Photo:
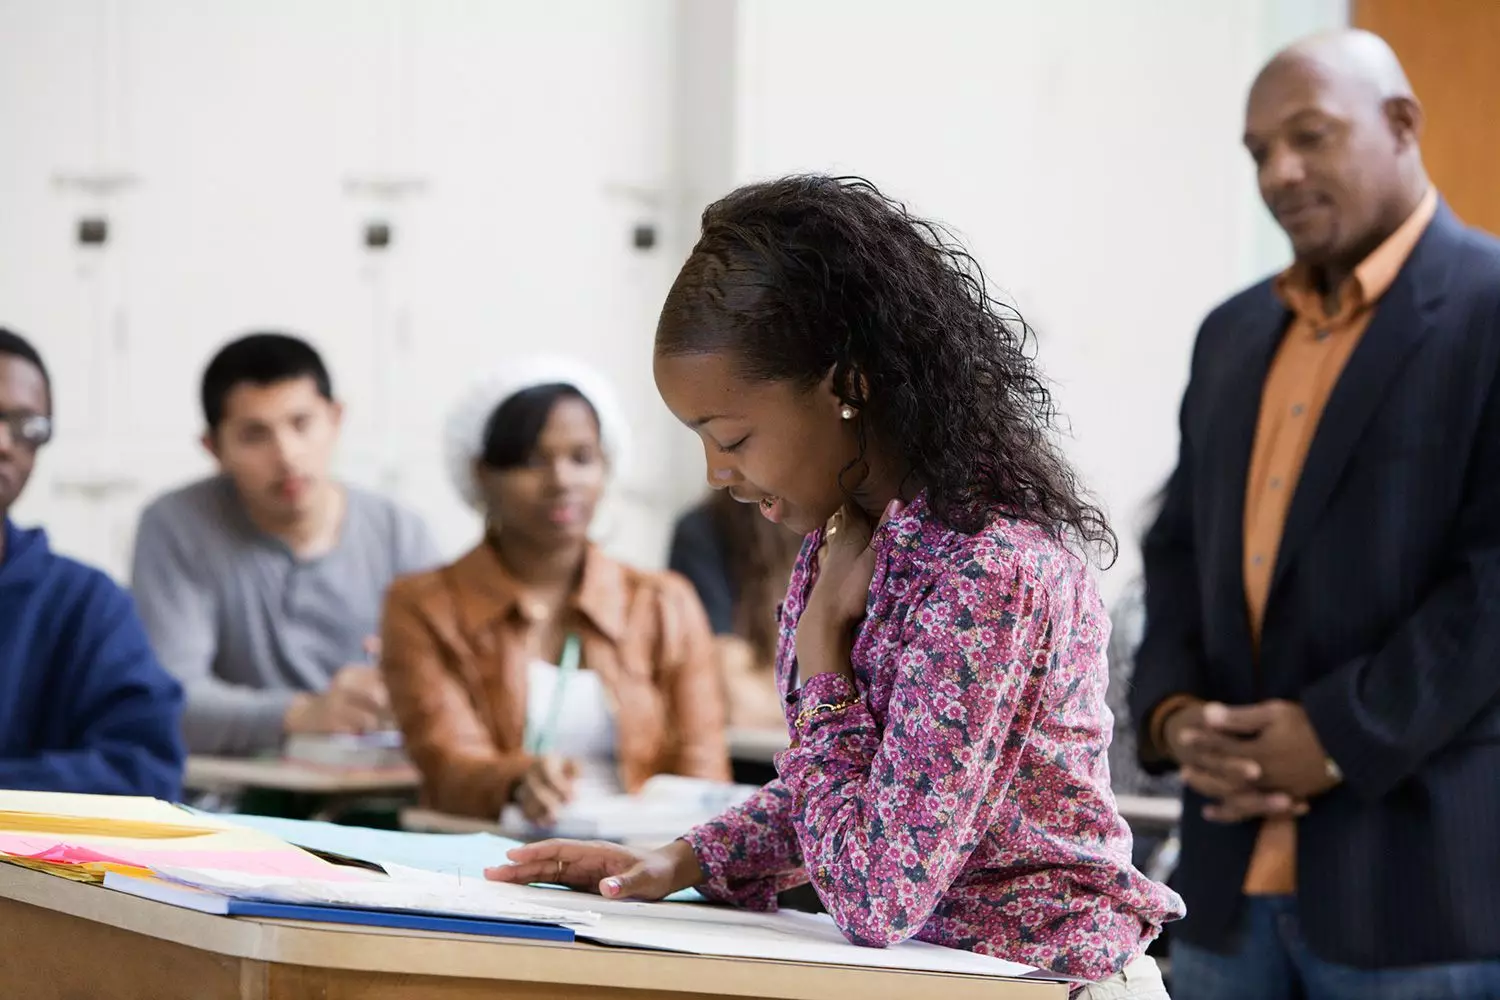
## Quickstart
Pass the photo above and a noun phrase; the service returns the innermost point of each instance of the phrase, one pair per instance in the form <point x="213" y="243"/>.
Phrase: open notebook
<point x="691" y="928"/>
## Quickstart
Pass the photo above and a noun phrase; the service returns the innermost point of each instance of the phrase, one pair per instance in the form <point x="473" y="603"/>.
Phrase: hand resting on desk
<point x="611" y="870"/>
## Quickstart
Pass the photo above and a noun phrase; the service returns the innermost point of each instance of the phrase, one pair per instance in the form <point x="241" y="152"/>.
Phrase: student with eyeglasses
<point x="84" y="704"/>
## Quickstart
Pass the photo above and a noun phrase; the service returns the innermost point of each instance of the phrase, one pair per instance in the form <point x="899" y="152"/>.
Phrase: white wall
<point x="1087" y="150"/>
<point x="523" y="141"/>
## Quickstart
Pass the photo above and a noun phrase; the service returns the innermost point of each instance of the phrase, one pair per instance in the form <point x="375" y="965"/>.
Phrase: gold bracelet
<point x="823" y="708"/>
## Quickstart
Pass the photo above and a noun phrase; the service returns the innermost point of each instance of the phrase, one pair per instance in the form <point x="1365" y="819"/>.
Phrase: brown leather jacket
<point x="455" y="655"/>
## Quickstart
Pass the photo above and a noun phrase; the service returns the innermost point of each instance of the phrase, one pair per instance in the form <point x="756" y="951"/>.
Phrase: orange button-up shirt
<point x="1316" y="347"/>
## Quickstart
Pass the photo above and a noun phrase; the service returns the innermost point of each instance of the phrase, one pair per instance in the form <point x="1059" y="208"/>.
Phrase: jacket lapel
<point x="1236" y="410"/>
<point x="1394" y="332"/>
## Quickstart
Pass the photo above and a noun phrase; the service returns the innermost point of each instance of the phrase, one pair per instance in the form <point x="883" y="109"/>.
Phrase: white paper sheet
<point x="405" y="889"/>
<point x="787" y="937"/>
<point x="692" y="928"/>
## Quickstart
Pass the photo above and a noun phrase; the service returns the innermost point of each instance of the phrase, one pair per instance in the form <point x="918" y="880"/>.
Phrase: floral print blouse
<point x="964" y="798"/>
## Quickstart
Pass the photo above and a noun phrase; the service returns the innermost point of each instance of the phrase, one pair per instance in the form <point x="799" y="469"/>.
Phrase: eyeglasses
<point x="31" y="429"/>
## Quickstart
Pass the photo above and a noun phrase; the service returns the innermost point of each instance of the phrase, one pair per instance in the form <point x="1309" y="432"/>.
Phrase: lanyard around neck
<point x="540" y="741"/>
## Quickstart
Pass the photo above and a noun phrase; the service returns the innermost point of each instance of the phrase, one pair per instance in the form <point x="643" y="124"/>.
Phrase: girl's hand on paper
<point x="545" y="788"/>
<point x="611" y="870"/>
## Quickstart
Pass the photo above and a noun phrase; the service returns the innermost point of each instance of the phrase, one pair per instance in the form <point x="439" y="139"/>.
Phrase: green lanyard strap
<point x="540" y="741"/>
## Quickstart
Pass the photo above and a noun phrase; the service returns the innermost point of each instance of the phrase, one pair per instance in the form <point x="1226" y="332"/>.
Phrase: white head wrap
<point x="463" y="438"/>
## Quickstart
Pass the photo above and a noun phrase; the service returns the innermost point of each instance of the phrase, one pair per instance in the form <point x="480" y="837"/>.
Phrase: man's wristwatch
<point x="1332" y="769"/>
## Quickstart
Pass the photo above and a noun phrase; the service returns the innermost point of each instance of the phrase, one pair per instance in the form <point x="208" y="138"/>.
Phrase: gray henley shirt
<point x="243" y="623"/>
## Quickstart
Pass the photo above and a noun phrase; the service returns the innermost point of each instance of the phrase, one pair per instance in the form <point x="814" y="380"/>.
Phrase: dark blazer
<point x="1383" y="618"/>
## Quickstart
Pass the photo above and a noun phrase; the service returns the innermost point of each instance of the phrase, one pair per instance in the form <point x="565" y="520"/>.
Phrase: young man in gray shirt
<point x="262" y="587"/>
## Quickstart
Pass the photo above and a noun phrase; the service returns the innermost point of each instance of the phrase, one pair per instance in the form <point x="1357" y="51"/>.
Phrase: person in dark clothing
<point x="84" y="704"/>
<point x="1321" y="637"/>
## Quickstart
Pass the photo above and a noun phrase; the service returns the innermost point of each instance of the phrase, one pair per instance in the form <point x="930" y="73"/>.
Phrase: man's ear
<point x="336" y="412"/>
<point x="210" y="442"/>
<point x="1406" y="119"/>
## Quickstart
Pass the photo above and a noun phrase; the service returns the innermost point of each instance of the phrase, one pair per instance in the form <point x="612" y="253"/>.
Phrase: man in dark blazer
<point x="1322" y="649"/>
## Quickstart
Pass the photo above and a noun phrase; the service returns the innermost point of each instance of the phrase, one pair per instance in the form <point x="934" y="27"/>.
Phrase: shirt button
<point x="1298" y="409"/>
<point x="1275" y="483"/>
<point x="1258" y="560"/>
<point x="1323" y="333"/>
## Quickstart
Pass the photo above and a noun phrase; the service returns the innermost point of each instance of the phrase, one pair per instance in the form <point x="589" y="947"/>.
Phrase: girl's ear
<point x="852" y="390"/>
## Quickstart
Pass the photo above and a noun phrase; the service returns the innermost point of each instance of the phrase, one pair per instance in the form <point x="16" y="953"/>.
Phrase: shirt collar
<point x="1371" y="278"/>
<point x="903" y="530"/>
<point x="488" y="592"/>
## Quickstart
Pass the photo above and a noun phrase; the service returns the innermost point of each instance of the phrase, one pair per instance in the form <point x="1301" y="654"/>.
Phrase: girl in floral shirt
<point x="942" y="646"/>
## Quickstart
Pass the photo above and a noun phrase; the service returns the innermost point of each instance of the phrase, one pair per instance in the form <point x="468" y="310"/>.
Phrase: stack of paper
<point x="693" y="928"/>
<point x="84" y="836"/>
<point x="160" y="851"/>
<point x="165" y="853"/>
<point x="522" y="923"/>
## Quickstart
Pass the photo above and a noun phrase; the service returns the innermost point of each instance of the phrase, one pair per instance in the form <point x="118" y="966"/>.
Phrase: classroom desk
<point x="65" y="939"/>
<point x="222" y="773"/>
<point x="1153" y="811"/>
<point x="416" y="819"/>
<point x="420" y="820"/>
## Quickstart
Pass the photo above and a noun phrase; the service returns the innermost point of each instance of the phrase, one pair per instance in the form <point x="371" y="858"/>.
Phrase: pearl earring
<point x="847" y="413"/>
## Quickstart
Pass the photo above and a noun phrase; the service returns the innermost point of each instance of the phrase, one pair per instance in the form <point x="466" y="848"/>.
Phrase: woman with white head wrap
<point x="536" y="669"/>
<point x="464" y="435"/>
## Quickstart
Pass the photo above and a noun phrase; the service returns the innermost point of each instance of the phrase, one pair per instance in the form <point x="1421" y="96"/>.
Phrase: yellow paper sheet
<point x="129" y="831"/>
<point x="112" y="808"/>
<point x="23" y="822"/>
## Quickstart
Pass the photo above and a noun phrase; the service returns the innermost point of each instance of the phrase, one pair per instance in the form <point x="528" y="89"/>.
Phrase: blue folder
<point x="403" y="921"/>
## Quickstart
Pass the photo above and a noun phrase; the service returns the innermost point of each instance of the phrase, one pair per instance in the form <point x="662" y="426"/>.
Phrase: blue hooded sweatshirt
<point x="84" y="704"/>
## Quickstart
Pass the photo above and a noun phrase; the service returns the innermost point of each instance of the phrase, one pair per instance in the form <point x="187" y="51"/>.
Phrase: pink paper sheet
<point x="290" y="863"/>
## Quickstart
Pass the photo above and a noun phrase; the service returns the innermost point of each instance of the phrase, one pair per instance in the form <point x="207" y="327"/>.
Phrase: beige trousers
<point x="1140" y="980"/>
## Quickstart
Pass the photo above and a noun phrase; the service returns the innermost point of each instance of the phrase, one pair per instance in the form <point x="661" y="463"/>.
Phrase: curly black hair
<point x="811" y="274"/>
